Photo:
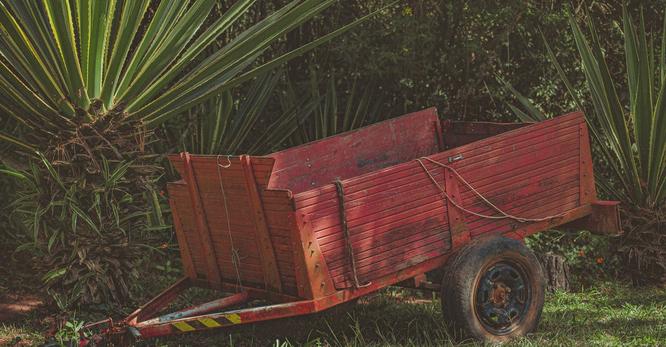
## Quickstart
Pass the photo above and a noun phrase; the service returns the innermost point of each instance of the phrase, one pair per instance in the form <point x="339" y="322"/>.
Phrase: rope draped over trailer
<point x="235" y="255"/>
<point x="503" y="215"/>
<point x="345" y="230"/>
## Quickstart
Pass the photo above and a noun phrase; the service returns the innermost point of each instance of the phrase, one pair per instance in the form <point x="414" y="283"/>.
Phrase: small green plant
<point x="168" y="268"/>
<point x="70" y="333"/>
<point x="83" y="230"/>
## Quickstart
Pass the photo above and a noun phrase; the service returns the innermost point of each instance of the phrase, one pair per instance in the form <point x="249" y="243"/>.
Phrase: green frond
<point x="632" y="138"/>
<point x="66" y="62"/>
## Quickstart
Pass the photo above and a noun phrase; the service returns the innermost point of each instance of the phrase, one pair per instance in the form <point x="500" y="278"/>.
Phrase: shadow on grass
<point x="615" y="316"/>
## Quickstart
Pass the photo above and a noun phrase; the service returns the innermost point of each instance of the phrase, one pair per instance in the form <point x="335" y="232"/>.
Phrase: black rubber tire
<point x="462" y="277"/>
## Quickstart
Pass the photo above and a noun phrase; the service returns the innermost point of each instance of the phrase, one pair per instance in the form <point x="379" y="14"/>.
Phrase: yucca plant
<point x="227" y="123"/>
<point x="335" y="111"/>
<point x="85" y="83"/>
<point x="629" y="129"/>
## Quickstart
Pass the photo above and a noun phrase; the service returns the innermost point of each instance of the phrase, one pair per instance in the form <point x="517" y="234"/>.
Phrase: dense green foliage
<point x="84" y="85"/>
<point x="630" y="135"/>
<point x="103" y="89"/>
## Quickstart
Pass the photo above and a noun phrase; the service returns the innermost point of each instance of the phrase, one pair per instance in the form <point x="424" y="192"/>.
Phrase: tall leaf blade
<point x="140" y="92"/>
<point x="130" y="19"/>
<point x="60" y="18"/>
<point x="93" y="39"/>
<point x="175" y="32"/>
<point x="20" y="52"/>
<point x="641" y="103"/>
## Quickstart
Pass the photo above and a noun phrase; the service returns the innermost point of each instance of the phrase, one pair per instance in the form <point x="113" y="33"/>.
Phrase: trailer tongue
<point x="327" y="222"/>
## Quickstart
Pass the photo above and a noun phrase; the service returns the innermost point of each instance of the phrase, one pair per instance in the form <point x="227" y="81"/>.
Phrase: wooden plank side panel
<point x="239" y="232"/>
<point x="531" y="172"/>
<point x="393" y="222"/>
<point x="356" y="152"/>
<point x="179" y="195"/>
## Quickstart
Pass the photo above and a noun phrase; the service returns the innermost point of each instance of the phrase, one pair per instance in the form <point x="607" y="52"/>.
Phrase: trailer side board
<point x="357" y="152"/>
<point x="256" y="223"/>
<point x="398" y="218"/>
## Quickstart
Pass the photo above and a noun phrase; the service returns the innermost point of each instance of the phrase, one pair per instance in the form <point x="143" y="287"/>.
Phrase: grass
<point x="607" y="314"/>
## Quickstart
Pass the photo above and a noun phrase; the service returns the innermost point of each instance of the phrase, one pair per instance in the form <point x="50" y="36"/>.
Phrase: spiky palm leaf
<point x="334" y="111"/>
<point x="65" y="62"/>
<point x="630" y="134"/>
<point x="225" y="125"/>
<point x="84" y="82"/>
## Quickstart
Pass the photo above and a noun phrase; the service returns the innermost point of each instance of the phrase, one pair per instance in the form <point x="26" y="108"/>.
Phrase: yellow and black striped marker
<point x="207" y="322"/>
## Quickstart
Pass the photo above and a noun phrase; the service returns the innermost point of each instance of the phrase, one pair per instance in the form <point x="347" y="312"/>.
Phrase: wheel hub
<point x="499" y="295"/>
<point x="502" y="297"/>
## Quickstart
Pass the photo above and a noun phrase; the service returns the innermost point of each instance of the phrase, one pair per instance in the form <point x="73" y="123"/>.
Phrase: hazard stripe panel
<point x="207" y="322"/>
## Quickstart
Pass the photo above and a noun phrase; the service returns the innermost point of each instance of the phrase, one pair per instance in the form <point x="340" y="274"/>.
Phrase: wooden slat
<point x="456" y="217"/>
<point x="395" y="264"/>
<point x="267" y="254"/>
<point x="394" y="254"/>
<point x="212" y="269"/>
<point x="377" y="211"/>
<point x="369" y="248"/>
<point x="545" y="204"/>
<point x="588" y="191"/>
<point x="183" y="246"/>
<point x="356" y="152"/>
<point x="368" y="229"/>
<point x="518" y="190"/>
<point x="539" y="169"/>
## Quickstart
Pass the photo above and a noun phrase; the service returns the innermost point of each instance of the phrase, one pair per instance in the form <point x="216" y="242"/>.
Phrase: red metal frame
<point x="278" y="214"/>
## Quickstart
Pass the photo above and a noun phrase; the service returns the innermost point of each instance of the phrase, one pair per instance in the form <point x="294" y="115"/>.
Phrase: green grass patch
<point x="604" y="315"/>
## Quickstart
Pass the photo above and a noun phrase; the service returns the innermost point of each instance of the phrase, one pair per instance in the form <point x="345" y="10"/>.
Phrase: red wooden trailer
<point x="327" y="222"/>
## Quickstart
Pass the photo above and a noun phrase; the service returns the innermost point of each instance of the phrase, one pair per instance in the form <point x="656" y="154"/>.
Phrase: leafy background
<point x="459" y="56"/>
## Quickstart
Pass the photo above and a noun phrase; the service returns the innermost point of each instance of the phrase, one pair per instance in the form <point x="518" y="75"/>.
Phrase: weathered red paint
<point x="400" y="224"/>
<point x="202" y="226"/>
<point x="199" y="310"/>
<point x="266" y="252"/>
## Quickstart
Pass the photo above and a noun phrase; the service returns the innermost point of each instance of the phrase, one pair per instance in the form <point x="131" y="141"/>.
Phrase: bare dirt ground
<point x="14" y="306"/>
<point x="21" y="299"/>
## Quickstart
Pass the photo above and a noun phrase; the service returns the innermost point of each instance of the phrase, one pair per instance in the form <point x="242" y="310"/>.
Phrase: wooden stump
<point x="556" y="271"/>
